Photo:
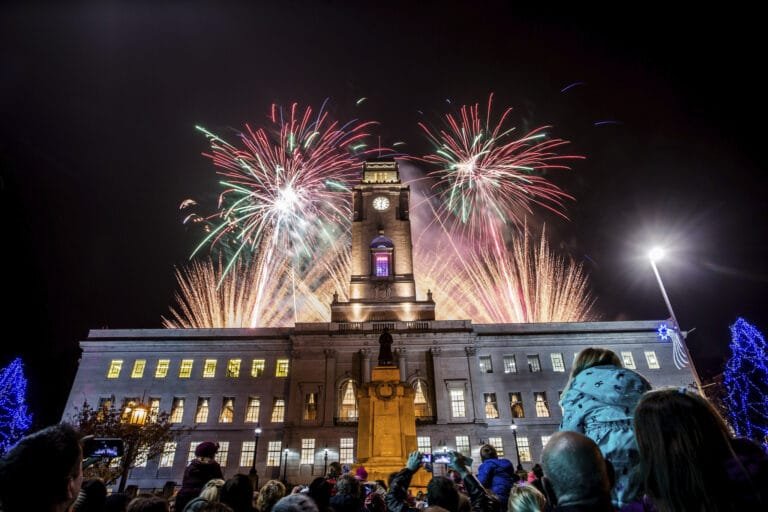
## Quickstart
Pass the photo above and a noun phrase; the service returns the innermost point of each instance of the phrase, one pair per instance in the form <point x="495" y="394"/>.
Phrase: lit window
<point x="424" y="444"/>
<point x="114" y="368"/>
<point x="227" y="410"/>
<point x="169" y="452"/>
<point x="138" y="368"/>
<point x="192" y="448"/>
<point x="201" y="416"/>
<point x="628" y="359"/>
<point x="281" y="370"/>
<point x="650" y="357"/>
<point x="485" y="364"/>
<point x="457" y="403"/>
<point x="544" y="441"/>
<point x="381" y="261"/>
<point x="222" y="454"/>
<point x="347" y="450"/>
<point x="462" y="445"/>
<point x="510" y="365"/>
<point x="106" y="402"/>
<point x="233" y="368"/>
<point x="516" y="405"/>
<point x="161" y="370"/>
<point x="523" y="448"/>
<point x="257" y="368"/>
<point x="154" y="409"/>
<point x="141" y="457"/>
<point x="209" y="370"/>
<point x="185" y="369"/>
<point x="496" y="443"/>
<point x="348" y="409"/>
<point x="274" y="449"/>
<point x="278" y="410"/>
<point x="534" y="365"/>
<point x="246" y="453"/>
<point x="491" y="408"/>
<point x="558" y="364"/>
<point x="252" y="412"/>
<point x="421" y="405"/>
<point x="307" y="451"/>
<point x="177" y="410"/>
<point x="542" y="407"/>
<point x="310" y="407"/>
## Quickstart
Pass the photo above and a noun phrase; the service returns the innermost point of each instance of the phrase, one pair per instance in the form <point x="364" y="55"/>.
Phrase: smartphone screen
<point x="103" y="447"/>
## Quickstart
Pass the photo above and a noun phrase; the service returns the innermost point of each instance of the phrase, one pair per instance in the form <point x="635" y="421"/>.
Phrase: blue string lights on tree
<point x="746" y="382"/>
<point x="14" y="419"/>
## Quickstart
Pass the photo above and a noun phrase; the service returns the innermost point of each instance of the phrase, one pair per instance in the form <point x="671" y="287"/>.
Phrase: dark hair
<point x="348" y="484"/>
<point x="147" y="503"/>
<point x="537" y="470"/>
<point x="334" y="468"/>
<point x="320" y="491"/>
<point x="56" y="447"/>
<point x="238" y="493"/>
<point x="442" y="492"/>
<point x="488" y="452"/>
<point x="684" y="445"/>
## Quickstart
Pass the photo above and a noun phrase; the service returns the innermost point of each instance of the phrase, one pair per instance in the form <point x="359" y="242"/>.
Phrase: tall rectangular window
<point x="497" y="443"/>
<point x="114" y="368"/>
<point x="347" y="450"/>
<point x="628" y="360"/>
<point x="310" y="407"/>
<point x="257" y="368"/>
<point x="457" y="403"/>
<point x="169" y="452"/>
<point x="281" y="368"/>
<point x="558" y="365"/>
<point x="233" y="368"/>
<point x="274" y="449"/>
<point x="177" y="410"/>
<point x="307" y="451"/>
<point x="192" y="448"/>
<point x="491" y="407"/>
<point x="227" y="414"/>
<point x="154" y="409"/>
<point x="209" y="369"/>
<point x="382" y="264"/>
<point x="510" y="365"/>
<point x="201" y="415"/>
<point x="544" y="441"/>
<point x="141" y="457"/>
<point x="485" y="364"/>
<point x="542" y="406"/>
<point x="516" y="405"/>
<point x="138" y="368"/>
<point x="222" y="454"/>
<point x="252" y="412"/>
<point x="462" y="445"/>
<point x="185" y="369"/>
<point x="278" y="410"/>
<point x="524" y="448"/>
<point x="161" y="370"/>
<point x="424" y="444"/>
<point x="246" y="453"/>
<point x="534" y="365"/>
<point x="650" y="357"/>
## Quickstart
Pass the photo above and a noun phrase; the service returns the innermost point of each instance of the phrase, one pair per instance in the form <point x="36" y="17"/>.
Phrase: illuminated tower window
<point x="382" y="264"/>
<point x="348" y="409"/>
<point x="381" y="253"/>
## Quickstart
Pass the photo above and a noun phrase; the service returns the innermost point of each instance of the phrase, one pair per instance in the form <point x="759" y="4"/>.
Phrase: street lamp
<point x="681" y="355"/>
<point x="513" y="428"/>
<point x="252" y="473"/>
<point x="285" y="466"/>
<point x="325" y="461"/>
<point x="137" y="415"/>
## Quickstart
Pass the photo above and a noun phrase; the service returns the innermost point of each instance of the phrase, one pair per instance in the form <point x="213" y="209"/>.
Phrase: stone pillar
<point x="402" y="361"/>
<point x="442" y="404"/>
<point x="329" y="400"/>
<point x="365" y="359"/>
<point x="478" y="415"/>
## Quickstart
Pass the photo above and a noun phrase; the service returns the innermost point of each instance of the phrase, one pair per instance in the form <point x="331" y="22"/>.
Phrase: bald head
<point x="576" y="468"/>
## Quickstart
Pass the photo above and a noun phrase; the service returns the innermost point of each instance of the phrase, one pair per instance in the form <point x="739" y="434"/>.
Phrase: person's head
<point x="238" y="492"/>
<point x="594" y="356"/>
<point x="212" y="490"/>
<point x="361" y="473"/>
<point x="54" y="450"/>
<point x="320" y="491"/>
<point x="442" y="492"/>
<point x="93" y="494"/>
<point x="206" y="450"/>
<point x="526" y="498"/>
<point x="488" y="452"/>
<point x="334" y="469"/>
<point x="270" y="494"/>
<point x="348" y="484"/>
<point x="148" y="503"/>
<point x="576" y="469"/>
<point x="537" y="471"/>
<point x="683" y="445"/>
<point x="295" y="503"/>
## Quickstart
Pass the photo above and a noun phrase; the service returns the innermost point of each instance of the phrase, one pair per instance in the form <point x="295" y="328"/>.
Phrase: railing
<point x="344" y="421"/>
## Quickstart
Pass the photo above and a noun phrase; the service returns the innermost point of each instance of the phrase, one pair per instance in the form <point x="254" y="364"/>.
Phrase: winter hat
<point x="361" y="474"/>
<point x="206" y="449"/>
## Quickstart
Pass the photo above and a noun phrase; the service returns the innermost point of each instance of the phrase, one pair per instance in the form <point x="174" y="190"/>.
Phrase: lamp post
<point x="513" y="428"/>
<point x="325" y="461"/>
<point x="285" y="466"/>
<point x="654" y="255"/>
<point x="254" y="476"/>
<point x="136" y="414"/>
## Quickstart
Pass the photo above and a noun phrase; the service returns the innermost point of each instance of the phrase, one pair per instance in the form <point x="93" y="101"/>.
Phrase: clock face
<point x="381" y="203"/>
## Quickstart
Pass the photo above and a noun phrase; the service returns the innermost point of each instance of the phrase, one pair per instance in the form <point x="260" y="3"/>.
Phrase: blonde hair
<point x="589" y="357"/>
<point x="526" y="498"/>
<point x="270" y="494"/>
<point x="212" y="489"/>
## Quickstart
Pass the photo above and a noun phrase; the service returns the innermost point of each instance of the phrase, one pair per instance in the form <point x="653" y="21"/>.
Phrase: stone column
<point x="365" y="356"/>
<point x="472" y="366"/>
<point x="329" y="400"/>
<point x="402" y="362"/>
<point x="442" y="404"/>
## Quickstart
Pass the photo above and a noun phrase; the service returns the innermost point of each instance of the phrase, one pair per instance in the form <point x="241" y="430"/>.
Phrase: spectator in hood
<point x="496" y="474"/>
<point x="202" y="469"/>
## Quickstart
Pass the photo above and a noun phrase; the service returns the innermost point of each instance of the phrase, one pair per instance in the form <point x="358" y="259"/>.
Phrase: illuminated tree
<point x="746" y="382"/>
<point x="14" y="418"/>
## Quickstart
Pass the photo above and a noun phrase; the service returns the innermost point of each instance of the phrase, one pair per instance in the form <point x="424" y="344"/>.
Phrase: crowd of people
<point x="621" y="447"/>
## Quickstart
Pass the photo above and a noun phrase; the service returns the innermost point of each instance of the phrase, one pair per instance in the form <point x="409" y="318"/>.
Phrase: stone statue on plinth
<point x="385" y="349"/>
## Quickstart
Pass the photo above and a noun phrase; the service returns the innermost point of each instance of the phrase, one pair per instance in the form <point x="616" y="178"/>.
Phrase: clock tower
<point x="382" y="286"/>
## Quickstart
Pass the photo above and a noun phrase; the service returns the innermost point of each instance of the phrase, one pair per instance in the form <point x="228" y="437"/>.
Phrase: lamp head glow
<point x="656" y="253"/>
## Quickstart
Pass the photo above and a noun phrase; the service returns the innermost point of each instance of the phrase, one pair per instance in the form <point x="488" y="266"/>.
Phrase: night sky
<point x="98" y="104"/>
